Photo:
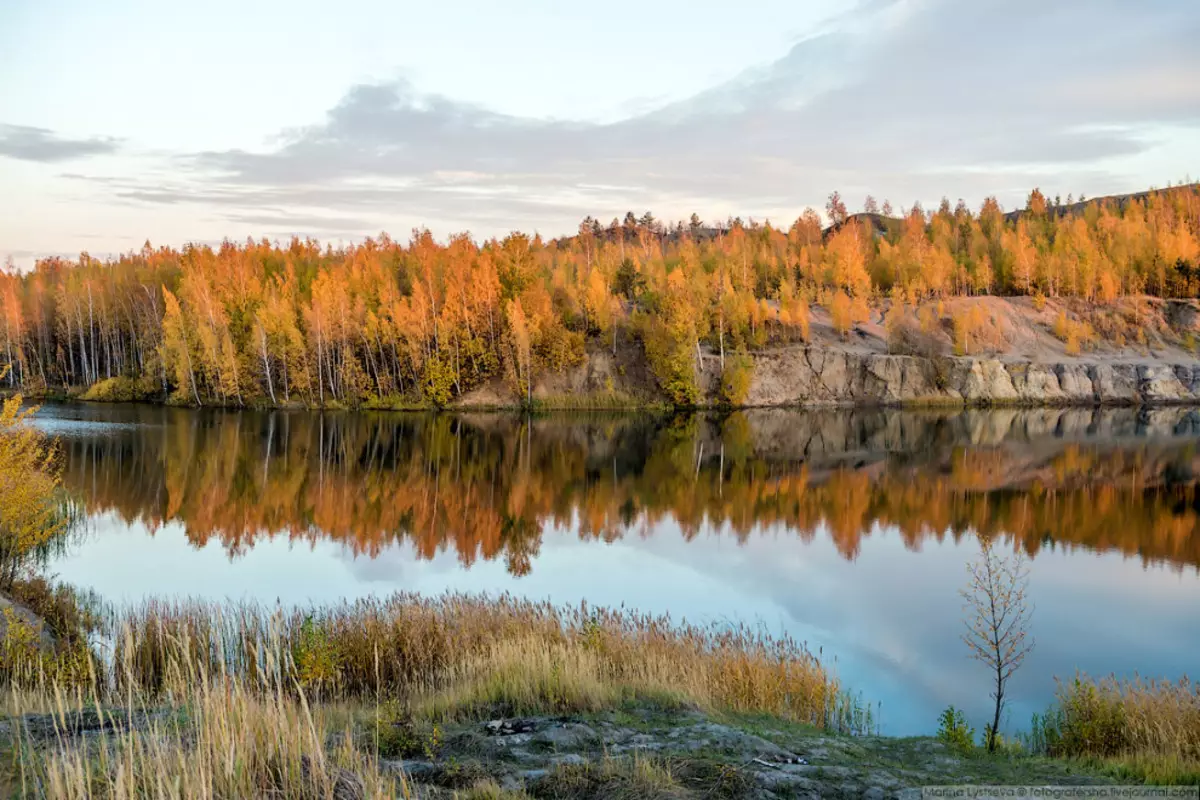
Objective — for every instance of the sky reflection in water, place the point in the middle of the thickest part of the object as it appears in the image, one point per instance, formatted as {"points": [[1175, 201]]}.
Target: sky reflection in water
{"points": [[185, 503]]}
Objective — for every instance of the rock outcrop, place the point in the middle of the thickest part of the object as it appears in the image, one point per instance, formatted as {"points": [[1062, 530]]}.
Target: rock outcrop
{"points": [[815, 375], [812, 377]]}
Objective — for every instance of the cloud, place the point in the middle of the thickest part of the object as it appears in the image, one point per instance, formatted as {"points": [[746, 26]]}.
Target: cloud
{"points": [[912, 99], [272, 218], [38, 144]]}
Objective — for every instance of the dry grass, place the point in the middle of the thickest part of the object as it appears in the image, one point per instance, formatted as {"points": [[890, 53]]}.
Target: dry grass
{"points": [[202, 700], [210, 736], [638, 777], [1140, 728], [459, 656], [603, 400]]}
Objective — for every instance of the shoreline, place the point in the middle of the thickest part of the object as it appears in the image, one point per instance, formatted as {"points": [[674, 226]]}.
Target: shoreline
{"points": [[798, 377], [519, 699]]}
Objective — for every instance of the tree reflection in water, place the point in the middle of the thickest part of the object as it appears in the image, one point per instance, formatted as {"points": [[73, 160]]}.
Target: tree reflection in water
{"points": [[487, 485]]}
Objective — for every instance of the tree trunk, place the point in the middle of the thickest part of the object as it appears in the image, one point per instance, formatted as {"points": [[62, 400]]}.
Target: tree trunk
{"points": [[267, 364], [993, 734], [191, 372], [721, 337]]}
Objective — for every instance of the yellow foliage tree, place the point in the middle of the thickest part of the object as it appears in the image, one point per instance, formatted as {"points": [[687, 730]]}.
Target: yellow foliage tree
{"points": [[893, 320], [521, 348], [966, 322], [177, 348], [841, 310], [29, 478]]}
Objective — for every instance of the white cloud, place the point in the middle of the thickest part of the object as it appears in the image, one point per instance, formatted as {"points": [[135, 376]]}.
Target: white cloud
{"points": [[908, 100]]}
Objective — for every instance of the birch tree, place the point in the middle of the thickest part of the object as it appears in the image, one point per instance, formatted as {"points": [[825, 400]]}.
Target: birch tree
{"points": [[998, 616]]}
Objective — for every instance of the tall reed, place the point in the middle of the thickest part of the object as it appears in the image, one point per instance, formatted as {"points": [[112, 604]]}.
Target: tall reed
{"points": [[484, 651], [459, 654], [207, 735], [1115, 716], [240, 700], [1139, 729]]}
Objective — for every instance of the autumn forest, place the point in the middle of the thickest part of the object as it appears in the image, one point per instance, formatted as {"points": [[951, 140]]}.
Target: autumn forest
{"points": [[422, 322]]}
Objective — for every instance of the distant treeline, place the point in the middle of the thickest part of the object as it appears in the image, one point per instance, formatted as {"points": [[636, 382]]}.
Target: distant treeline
{"points": [[423, 321]]}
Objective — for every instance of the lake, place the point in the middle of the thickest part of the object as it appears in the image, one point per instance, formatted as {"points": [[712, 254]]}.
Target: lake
{"points": [[849, 530]]}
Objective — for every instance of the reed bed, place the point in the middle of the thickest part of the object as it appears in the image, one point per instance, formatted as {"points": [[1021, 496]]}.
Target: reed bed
{"points": [[198, 699], [207, 736], [461, 655], [1145, 729]]}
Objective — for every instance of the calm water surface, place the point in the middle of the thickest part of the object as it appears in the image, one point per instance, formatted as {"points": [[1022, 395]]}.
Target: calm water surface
{"points": [[849, 530]]}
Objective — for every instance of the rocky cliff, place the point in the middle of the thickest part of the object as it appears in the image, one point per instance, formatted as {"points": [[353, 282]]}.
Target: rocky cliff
{"points": [[828, 376], [813, 376]]}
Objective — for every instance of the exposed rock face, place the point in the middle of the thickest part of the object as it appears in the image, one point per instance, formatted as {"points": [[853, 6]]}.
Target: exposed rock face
{"points": [[814, 376], [1158, 383], [1039, 383], [1115, 383], [896, 378], [1183, 315], [983, 381], [824, 376], [1075, 382]]}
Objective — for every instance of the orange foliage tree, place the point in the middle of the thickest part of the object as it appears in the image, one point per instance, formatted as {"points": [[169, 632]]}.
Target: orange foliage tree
{"points": [[262, 323]]}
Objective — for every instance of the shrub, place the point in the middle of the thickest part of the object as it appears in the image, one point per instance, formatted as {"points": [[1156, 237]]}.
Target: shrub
{"points": [[315, 656], [30, 514], [121, 389], [19, 648], [893, 323], [1061, 325], [736, 379], [1076, 334], [1093, 721], [673, 366], [559, 348], [1045, 733], [402, 736], [954, 730], [1127, 717], [439, 381], [1140, 731], [68, 614]]}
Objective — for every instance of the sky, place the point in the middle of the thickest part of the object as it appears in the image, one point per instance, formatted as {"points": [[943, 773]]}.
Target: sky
{"points": [[136, 120]]}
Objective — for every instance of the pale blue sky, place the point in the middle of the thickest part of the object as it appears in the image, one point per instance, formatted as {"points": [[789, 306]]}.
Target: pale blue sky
{"points": [[133, 119]]}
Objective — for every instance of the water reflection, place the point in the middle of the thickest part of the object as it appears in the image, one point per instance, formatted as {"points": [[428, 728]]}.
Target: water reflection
{"points": [[848, 530], [487, 486]]}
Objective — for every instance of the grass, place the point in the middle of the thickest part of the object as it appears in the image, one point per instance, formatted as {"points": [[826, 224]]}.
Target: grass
{"points": [[633, 777], [246, 701], [215, 700], [222, 739], [1149, 769], [617, 778], [613, 400], [396, 403], [1134, 729], [461, 656]]}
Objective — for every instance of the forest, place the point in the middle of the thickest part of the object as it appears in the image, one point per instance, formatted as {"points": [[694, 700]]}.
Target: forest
{"points": [[387, 323]]}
